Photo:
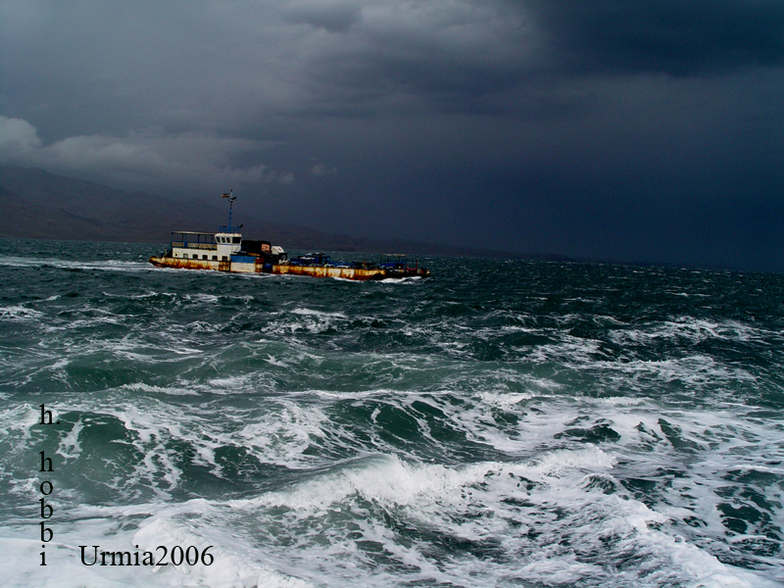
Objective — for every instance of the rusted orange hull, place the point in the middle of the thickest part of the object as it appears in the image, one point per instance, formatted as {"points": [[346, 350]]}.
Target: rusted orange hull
{"points": [[186, 263], [346, 273]]}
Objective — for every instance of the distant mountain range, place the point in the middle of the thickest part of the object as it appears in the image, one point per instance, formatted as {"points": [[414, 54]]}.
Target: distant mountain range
{"points": [[39, 204]]}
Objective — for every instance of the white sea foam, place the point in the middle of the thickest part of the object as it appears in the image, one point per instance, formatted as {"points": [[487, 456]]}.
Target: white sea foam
{"points": [[232, 567], [343, 444], [546, 512], [108, 265], [69, 447], [200, 297], [694, 369], [281, 435], [406, 280], [318, 313], [19, 312], [692, 329], [169, 390], [434, 496], [19, 418]]}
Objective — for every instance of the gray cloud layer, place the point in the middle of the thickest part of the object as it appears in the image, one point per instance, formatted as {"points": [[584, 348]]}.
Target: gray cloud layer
{"points": [[642, 130]]}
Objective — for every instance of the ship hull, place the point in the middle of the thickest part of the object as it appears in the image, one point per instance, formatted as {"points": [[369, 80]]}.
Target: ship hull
{"points": [[316, 271]]}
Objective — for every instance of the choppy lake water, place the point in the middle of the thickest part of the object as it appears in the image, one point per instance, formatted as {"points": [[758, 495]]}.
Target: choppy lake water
{"points": [[504, 423]]}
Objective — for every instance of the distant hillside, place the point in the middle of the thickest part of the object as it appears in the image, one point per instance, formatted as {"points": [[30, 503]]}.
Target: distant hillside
{"points": [[48, 206], [38, 204]]}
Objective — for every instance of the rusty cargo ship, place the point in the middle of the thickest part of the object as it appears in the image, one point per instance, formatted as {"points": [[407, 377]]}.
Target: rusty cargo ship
{"points": [[228, 252]]}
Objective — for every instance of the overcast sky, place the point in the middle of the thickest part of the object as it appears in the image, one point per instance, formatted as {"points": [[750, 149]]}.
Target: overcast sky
{"points": [[644, 130]]}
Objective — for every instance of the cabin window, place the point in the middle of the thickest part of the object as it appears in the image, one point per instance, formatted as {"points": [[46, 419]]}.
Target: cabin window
{"points": [[224, 258], [204, 257], [237, 240], [214, 258], [195, 256]]}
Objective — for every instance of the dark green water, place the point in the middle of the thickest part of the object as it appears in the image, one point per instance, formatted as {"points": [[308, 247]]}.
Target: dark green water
{"points": [[504, 423]]}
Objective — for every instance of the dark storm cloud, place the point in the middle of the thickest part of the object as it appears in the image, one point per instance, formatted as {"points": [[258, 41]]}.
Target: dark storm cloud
{"points": [[332, 17], [409, 56], [671, 36], [644, 130]]}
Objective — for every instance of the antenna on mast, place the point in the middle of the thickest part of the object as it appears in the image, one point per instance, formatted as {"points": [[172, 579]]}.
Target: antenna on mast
{"points": [[230, 195]]}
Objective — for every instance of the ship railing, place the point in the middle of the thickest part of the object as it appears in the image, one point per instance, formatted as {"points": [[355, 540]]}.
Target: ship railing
{"points": [[191, 245], [394, 261]]}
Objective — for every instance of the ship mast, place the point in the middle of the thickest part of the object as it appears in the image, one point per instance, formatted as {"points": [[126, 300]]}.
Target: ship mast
{"points": [[230, 195]]}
